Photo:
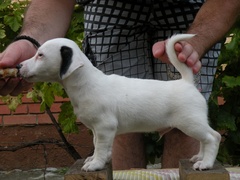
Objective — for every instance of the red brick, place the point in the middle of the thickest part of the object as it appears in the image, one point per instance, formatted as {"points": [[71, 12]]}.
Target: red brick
{"points": [[56, 115], [4, 110], [19, 119], [43, 119], [1, 102], [22, 109], [1, 120], [55, 108], [34, 109], [61, 99], [26, 100]]}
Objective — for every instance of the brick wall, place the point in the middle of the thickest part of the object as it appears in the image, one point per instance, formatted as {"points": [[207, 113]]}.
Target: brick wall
{"points": [[28, 113], [28, 124]]}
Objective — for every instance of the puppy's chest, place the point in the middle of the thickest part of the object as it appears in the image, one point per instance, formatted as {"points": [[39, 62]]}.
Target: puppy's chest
{"points": [[85, 111]]}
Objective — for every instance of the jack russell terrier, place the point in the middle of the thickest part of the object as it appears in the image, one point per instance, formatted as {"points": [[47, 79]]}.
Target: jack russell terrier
{"points": [[111, 104]]}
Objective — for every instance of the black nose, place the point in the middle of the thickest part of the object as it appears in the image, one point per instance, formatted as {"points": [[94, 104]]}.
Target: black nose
{"points": [[19, 66]]}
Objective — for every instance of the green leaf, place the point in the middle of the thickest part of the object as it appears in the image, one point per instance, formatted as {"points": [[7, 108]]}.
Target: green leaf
{"points": [[14, 21], [12, 101], [67, 118], [232, 44], [226, 121], [235, 136], [2, 33], [33, 95], [5, 4], [231, 81]]}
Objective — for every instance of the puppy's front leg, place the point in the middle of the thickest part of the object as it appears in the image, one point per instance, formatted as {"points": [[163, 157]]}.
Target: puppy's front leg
{"points": [[90, 158], [103, 149]]}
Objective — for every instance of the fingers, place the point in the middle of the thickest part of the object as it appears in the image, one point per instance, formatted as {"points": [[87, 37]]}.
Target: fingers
{"points": [[185, 53], [13, 86], [8, 85], [14, 54], [188, 55], [10, 57], [21, 87], [196, 68], [158, 49]]}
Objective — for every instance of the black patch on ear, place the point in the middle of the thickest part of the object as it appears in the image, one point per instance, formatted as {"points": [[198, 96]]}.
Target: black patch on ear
{"points": [[66, 54]]}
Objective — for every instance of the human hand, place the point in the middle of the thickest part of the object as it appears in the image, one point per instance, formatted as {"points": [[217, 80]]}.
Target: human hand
{"points": [[12, 56], [185, 53]]}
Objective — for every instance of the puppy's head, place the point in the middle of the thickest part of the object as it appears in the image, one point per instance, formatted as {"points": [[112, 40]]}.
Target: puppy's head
{"points": [[55, 60]]}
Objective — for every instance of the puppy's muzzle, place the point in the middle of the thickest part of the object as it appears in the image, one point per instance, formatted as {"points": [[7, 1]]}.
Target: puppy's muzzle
{"points": [[18, 67]]}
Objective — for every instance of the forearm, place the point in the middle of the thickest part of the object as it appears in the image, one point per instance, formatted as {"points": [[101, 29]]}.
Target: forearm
{"points": [[47, 19], [212, 22]]}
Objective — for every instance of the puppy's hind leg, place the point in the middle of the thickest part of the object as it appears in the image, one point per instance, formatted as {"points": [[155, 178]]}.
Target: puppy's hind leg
{"points": [[210, 141], [210, 149], [199, 156]]}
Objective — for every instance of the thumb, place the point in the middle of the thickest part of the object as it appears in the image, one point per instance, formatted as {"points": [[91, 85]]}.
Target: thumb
{"points": [[9, 58], [159, 51], [16, 53]]}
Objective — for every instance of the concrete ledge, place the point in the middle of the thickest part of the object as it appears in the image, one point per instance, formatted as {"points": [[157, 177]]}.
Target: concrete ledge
{"points": [[186, 172], [75, 173]]}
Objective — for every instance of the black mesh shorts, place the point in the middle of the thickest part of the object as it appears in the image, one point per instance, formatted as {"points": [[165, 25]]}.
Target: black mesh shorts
{"points": [[119, 36]]}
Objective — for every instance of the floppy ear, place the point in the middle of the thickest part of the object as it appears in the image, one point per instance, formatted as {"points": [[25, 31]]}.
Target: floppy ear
{"points": [[68, 64]]}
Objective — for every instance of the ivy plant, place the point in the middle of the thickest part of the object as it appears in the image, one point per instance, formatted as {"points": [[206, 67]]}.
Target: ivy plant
{"points": [[11, 19], [226, 116]]}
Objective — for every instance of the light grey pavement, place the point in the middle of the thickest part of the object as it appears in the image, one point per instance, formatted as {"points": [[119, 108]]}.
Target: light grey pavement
{"points": [[36, 174]]}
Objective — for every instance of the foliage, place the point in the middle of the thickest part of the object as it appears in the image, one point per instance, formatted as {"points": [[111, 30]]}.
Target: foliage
{"points": [[67, 118], [226, 116], [11, 19], [154, 146], [12, 101], [76, 29], [11, 14]]}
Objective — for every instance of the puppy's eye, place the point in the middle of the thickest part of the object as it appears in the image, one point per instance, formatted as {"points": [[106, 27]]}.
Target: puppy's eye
{"points": [[40, 55]]}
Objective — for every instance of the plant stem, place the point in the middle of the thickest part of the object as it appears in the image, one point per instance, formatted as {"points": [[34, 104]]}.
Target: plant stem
{"points": [[70, 149]]}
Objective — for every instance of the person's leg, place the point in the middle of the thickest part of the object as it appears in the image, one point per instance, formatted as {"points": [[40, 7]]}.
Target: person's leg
{"points": [[171, 18], [116, 43]]}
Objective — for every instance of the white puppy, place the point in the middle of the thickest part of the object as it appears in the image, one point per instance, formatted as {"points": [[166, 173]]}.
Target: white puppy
{"points": [[110, 104]]}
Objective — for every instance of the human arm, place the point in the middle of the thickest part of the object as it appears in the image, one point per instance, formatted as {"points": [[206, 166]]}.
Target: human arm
{"points": [[212, 22], [43, 20]]}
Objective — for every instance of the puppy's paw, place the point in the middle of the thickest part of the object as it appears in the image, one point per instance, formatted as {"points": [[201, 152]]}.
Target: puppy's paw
{"points": [[196, 158], [93, 165], [89, 159], [201, 165]]}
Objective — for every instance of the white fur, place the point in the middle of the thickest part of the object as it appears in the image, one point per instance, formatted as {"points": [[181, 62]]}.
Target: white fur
{"points": [[112, 104]]}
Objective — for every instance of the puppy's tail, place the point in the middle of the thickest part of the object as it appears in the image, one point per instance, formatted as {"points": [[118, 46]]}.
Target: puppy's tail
{"points": [[184, 70]]}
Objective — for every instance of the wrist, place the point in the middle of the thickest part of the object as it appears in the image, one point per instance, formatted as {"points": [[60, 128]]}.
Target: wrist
{"points": [[198, 45], [34, 42], [25, 48]]}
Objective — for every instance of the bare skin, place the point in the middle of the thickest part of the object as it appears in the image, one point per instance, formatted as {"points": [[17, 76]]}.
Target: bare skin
{"points": [[46, 19], [43, 20], [210, 25]]}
